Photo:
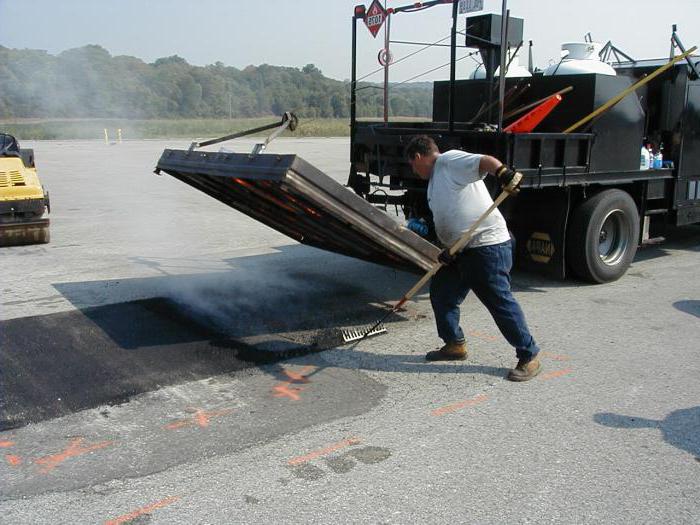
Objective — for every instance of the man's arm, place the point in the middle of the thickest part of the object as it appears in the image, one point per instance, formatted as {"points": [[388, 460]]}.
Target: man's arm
{"points": [[489, 164], [503, 173]]}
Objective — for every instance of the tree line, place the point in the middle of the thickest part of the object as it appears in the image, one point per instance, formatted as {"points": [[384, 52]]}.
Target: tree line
{"points": [[88, 82]]}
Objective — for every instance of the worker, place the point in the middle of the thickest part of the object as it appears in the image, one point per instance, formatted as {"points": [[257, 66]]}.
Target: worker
{"points": [[9, 147], [457, 196]]}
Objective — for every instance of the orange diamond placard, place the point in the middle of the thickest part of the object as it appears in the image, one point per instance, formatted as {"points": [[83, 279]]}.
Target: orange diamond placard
{"points": [[375, 17]]}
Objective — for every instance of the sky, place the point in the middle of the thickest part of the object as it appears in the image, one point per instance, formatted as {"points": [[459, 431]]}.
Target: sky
{"points": [[295, 33]]}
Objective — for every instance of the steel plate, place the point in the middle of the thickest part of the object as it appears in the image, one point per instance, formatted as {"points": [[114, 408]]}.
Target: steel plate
{"points": [[290, 195]]}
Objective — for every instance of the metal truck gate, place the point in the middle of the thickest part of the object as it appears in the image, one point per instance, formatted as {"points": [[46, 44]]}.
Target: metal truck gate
{"points": [[290, 195]]}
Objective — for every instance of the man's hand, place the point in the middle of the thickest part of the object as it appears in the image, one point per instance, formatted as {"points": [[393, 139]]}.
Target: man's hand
{"points": [[445, 257], [508, 179]]}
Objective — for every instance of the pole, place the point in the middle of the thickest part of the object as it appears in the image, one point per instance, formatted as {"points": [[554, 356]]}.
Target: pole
{"points": [[288, 120], [454, 249], [676, 41], [453, 67], [673, 42], [457, 246], [353, 80], [386, 67], [502, 77], [622, 94]]}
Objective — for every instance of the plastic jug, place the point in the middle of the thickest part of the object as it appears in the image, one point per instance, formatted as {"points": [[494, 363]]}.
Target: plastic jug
{"points": [[644, 159]]}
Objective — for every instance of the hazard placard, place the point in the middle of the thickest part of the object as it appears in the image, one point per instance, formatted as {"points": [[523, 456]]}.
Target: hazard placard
{"points": [[374, 18]]}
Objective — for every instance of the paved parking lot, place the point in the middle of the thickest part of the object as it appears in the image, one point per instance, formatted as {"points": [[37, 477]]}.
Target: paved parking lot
{"points": [[146, 378]]}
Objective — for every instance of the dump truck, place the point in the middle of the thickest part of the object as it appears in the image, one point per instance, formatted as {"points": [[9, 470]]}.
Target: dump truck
{"points": [[24, 203], [586, 203]]}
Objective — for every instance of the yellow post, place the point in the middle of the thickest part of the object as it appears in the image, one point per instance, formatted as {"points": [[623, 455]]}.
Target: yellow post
{"points": [[119, 135], [622, 94], [106, 137]]}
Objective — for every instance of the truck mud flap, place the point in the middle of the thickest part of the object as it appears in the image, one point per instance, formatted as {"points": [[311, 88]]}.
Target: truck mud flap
{"points": [[540, 231], [290, 195]]}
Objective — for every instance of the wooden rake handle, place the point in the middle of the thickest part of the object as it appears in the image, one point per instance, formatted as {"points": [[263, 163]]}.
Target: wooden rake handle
{"points": [[462, 241], [456, 247], [622, 94]]}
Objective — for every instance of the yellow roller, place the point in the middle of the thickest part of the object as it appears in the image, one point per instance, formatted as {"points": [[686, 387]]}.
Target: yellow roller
{"points": [[23, 200]]}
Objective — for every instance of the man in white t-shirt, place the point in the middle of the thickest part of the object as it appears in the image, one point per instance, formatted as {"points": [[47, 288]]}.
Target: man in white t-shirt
{"points": [[457, 196]]}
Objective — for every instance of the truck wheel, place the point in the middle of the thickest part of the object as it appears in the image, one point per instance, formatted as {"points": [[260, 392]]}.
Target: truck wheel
{"points": [[603, 236]]}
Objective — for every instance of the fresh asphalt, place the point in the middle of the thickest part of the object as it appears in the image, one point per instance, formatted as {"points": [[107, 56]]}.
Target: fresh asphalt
{"points": [[147, 374]]}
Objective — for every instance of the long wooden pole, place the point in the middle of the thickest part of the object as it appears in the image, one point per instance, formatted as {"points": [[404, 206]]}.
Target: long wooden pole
{"points": [[622, 94], [454, 249], [460, 243]]}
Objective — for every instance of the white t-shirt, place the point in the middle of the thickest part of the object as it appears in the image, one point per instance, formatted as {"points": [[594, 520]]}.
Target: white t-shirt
{"points": [[457, 196]]}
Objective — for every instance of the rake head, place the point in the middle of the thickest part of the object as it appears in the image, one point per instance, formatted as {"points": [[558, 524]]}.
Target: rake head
{"points": [[355, 334]]}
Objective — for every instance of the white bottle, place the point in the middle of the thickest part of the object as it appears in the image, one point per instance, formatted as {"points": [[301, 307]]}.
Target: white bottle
{"points": [[644, 160], [651, 156]]}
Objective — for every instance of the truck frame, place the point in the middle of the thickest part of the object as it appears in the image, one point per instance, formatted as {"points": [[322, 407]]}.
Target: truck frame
{"points": [[585, 205]]}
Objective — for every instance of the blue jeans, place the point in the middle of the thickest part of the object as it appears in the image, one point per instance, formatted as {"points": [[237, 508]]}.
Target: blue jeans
{"points": [[486, 270]]}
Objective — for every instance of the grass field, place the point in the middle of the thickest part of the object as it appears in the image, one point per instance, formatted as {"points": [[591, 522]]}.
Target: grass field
{"points": [[37, 129], [56, 129]]}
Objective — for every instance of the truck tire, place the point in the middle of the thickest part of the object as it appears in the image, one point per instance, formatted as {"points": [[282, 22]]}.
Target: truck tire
{"points": [[603, 236]]}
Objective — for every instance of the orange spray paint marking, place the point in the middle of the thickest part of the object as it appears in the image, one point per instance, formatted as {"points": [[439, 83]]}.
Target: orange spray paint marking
{"points": [[323, 452], [485, 337], [143, 510], [556, 373], [556, 357], [74, 449], [458, 406], [299, 377], [178, 424], [13, 460], [200, 418], [296, 377], [285, 390]]}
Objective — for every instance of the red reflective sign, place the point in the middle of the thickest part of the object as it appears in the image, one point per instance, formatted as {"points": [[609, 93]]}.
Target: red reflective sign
{"points": [[374, 18]]}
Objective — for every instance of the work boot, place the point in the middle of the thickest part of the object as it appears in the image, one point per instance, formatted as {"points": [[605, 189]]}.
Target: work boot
{"points": [[455, 351], [525, 370]]}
